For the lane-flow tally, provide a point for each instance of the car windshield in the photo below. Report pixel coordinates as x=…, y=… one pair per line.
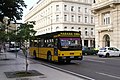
x=70, y=43
x=88, y=48
x=102, y=48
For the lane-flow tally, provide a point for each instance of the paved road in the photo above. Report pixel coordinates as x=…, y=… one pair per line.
x=91, y=68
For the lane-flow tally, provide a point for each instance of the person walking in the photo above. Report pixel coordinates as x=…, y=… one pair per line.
x=0, y=48
x=4, y=47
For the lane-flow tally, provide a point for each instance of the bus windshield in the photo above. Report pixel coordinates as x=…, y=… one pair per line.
x=70, y=43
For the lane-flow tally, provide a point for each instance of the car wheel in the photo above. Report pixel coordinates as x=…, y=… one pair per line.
x=100, y=55
x=107, y=55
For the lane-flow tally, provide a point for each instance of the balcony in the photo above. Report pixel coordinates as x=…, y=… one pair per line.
x=104, y=4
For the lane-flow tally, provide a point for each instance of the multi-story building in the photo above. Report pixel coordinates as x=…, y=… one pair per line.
x=64, y=15
x=11, y=25
x=107, y=22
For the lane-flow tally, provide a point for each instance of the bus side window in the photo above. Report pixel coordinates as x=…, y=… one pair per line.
x=39, y=43
x=56, y=41
x=42, y=43
x=35, y=44
x=50, y=45
x=31, y=44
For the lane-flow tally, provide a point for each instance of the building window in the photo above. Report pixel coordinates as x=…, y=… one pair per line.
x=65, y=17
x=79, y=9
x=80, y=32
x=57, y=17
x=86, y=19
x=79, y=28
x=72, y=8
x=86, y=32
x=72, y=27
x=57, y=7
x=91, y=28
x=86, y=10
x=94, y=1
x=65, y=27
x=72, y=18
x=57, y=27
x=92, y=32
x=79, y=18
x=65, y=7
x=92, y=20
x=106, y=19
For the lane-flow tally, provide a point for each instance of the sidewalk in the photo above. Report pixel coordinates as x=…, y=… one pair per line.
x=17, y=64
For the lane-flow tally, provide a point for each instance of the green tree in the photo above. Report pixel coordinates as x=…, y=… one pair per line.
x=13, y=9
x=24, y=34
x=2, y=33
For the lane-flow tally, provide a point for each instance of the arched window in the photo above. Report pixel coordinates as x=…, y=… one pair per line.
x=57, y=27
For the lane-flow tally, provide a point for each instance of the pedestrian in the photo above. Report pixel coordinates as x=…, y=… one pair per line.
x=4, y=47
x=0, y=48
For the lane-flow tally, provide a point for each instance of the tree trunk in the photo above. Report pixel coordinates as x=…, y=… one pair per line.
x=26, y=57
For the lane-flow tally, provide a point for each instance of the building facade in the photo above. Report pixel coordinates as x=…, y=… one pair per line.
x=64, y=15
x=107, y=23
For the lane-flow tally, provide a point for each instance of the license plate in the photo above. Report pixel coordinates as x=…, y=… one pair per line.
x=71, y=56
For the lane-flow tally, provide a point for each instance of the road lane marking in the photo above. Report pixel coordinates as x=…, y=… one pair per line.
x=95, y=60
x=108, y=75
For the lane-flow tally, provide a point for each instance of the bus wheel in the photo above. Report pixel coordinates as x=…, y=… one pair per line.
x=49, y=57
x=34, y=55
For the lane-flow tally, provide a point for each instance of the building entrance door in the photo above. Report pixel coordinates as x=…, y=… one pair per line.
x=106, y=40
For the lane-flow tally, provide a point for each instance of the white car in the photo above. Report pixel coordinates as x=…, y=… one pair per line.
x=108, y=51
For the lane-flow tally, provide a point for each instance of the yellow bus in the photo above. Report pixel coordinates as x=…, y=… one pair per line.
x=60, y=46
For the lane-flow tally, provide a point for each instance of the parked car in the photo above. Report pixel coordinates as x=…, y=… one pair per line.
x=89, y=51
x=108, y=51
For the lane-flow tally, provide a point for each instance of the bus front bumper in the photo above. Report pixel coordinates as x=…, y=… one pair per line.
x=70, y=58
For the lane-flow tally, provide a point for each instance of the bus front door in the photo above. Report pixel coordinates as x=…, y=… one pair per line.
x=56, y=49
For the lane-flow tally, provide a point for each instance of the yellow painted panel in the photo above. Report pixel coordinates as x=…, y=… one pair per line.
x=41, y=52
x=70, y=53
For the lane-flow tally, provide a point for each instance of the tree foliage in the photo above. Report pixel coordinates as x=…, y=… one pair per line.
x=3, y=34
x=13, y=9
x=25, y=32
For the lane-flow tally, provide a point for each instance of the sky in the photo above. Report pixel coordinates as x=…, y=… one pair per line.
x=29, y=4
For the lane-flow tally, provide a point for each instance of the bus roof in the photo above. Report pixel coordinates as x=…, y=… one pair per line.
x=60, y=34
